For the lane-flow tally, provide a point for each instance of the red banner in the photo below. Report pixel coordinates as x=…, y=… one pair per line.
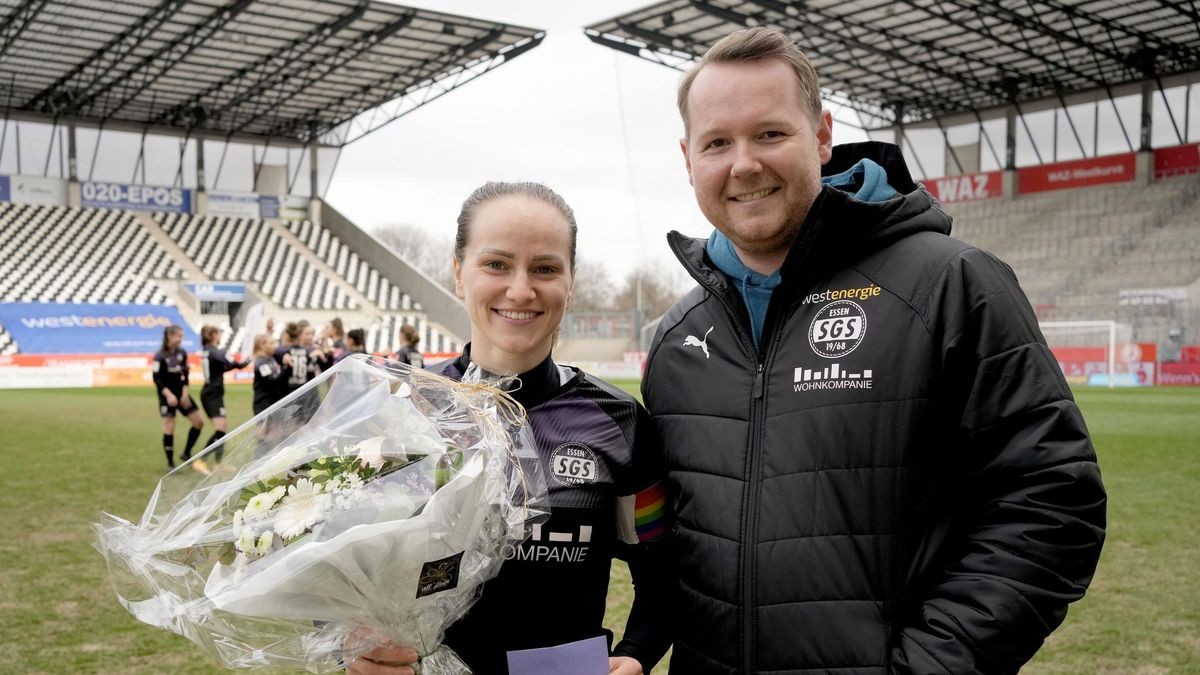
x=1078, y=363
x=967, y=187
x=1176, y=161
x=1190, y=354
x=1079, y=173
x=1179, y=374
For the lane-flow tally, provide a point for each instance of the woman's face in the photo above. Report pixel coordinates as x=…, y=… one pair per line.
x=175, y=338
x=515, y=278
x=306, y=336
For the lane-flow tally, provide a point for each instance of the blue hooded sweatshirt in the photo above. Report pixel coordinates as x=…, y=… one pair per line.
x=868, y=182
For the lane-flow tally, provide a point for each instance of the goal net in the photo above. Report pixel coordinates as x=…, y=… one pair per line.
x=1099, y=353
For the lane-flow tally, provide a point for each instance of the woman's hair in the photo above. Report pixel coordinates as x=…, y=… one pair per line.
x=293, y=329
x=409, y=335
x=167, y=333
x=357, y=336
x=492, y=190
x=338, y=329
x=209, y=335
x=261, y=343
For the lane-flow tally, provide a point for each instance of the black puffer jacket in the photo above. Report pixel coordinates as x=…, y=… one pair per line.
x=897, y=481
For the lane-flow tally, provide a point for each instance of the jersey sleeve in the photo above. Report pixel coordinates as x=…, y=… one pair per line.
x=643, y=530
x=159, y=371
x=183, y=368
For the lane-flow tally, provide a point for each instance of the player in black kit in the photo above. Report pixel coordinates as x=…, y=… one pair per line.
x=171, y=383
x=215, y=362
x=514, y=268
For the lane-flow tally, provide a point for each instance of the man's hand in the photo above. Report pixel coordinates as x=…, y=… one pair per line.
x=385, y=660
x=623, y=665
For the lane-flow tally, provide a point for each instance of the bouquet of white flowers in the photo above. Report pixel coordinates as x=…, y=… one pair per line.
x=375, y=501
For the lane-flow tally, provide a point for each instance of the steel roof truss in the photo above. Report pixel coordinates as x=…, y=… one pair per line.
x=266, y=69
x=322, y=69
x=103, y=62
x=154, y=66
x=17, y=21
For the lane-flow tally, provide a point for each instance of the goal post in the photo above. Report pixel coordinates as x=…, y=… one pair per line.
x=1086, y=349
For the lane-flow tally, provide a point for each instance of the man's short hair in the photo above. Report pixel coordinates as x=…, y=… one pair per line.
x=756, y=44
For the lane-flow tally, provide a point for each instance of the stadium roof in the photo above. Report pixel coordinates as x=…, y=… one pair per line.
x=298, y=71
x=936, y=58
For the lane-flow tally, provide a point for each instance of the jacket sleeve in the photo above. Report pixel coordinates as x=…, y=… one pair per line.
x=643, y=526
x=1027, y=519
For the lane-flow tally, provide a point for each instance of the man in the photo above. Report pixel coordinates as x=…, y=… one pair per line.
x=876, y=463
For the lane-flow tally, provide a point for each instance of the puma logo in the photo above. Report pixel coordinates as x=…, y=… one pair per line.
x=693, y=341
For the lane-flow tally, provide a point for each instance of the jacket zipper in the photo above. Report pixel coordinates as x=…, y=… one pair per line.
x=750, y=497
x=750, y=525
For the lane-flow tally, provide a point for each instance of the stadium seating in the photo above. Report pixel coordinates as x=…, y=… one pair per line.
x=7, y=345
x=347, y=264
x=250, y=250
x=66, y=255
x=1075, y=250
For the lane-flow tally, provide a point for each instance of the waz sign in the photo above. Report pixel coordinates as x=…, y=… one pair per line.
x=966, y=188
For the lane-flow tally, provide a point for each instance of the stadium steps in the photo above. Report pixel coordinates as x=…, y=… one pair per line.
x=1075, y=250
x=327, y=246
x=364, y=303
x=252, y=251
x=190, y=269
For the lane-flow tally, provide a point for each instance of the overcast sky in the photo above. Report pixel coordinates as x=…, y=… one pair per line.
x=597, y=126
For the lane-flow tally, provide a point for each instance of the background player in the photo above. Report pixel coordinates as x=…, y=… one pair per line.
x=215, y=362
x=171, y=384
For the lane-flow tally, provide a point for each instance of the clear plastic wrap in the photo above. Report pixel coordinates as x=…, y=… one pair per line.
x=368, y=506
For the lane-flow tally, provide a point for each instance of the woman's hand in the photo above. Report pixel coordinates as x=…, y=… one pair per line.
x=623, y=665
x=385, y=660
x=170, y=399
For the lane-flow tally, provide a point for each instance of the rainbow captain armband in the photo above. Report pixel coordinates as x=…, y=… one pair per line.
x=642, y=517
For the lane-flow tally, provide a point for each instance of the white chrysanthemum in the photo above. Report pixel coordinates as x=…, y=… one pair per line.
x=370, y=452
x=245, y=543
x=280, y=461
x=263, y=545
x=263, y=501
x=301, y=509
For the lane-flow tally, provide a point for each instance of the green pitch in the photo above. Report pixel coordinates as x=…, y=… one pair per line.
x=66, y=455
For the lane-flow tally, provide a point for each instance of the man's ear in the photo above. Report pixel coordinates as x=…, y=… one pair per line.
x=687, y=160
x=825, y=136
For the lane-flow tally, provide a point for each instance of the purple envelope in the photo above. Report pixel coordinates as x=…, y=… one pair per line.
x=585, y=657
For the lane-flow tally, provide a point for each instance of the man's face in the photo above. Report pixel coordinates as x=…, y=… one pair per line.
x=754, y=155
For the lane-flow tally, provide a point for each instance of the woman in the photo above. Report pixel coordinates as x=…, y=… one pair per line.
x=268, y=374
x=215, y=362
x=514, y=263
x=356, y=343
x=408, y=352
x=171, y=383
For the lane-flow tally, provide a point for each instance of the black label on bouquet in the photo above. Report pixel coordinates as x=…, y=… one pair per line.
x=439, y=575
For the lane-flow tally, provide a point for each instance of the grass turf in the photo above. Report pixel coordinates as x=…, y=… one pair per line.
x=66, y=455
